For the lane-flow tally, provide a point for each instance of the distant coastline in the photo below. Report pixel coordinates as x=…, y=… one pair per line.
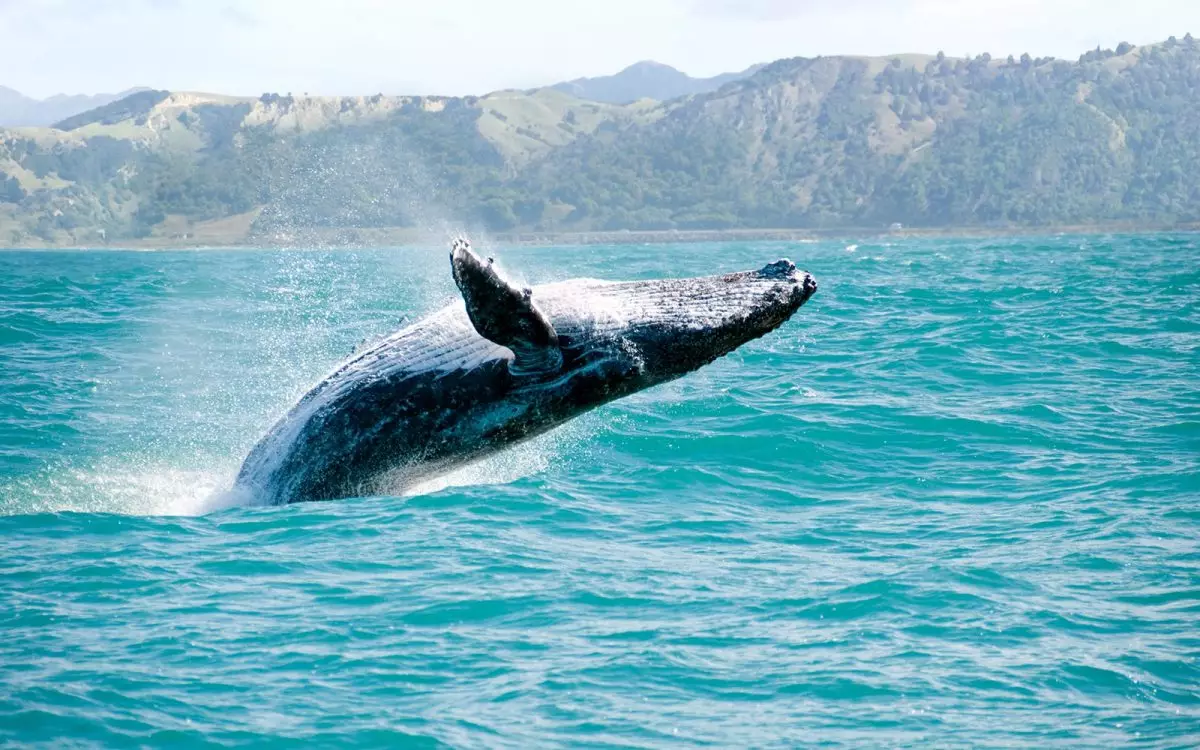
x=400, y=237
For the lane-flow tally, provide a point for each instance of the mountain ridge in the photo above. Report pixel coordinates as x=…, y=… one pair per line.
x=926, y=141
x=19, y=110
x=647, y=79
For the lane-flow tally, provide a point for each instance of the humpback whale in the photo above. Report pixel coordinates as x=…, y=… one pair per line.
x=502, y=365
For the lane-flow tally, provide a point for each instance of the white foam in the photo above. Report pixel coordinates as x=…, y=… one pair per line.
x=139, y=490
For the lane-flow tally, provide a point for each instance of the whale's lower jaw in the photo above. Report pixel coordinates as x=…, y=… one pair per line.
x=437, y=395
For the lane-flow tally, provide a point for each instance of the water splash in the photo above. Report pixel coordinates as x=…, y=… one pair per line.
x=130, y=489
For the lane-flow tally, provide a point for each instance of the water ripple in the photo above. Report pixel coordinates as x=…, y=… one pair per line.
x=951, y=504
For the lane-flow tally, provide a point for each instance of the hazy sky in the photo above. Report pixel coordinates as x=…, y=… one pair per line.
x=475, y=46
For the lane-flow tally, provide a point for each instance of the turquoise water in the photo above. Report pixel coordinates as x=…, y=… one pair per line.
x=954, y=502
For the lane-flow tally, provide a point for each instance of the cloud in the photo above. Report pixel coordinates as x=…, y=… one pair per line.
x=777, y=10
x=240, y=17
x=474, y=46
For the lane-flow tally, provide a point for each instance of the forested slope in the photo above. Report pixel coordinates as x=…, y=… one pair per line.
x=928, y=141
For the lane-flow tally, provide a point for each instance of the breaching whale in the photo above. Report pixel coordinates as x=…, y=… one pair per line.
x=502, y=365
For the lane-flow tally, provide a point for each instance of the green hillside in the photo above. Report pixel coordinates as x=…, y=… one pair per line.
x=927, y=141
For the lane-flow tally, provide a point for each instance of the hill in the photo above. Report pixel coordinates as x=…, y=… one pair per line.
x=647, y=80
x=807, y=143
x=18, y=110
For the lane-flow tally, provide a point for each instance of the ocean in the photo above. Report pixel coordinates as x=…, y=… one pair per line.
x=955, y=501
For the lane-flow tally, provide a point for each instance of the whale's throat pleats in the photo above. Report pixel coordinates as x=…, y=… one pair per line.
x=505, y=314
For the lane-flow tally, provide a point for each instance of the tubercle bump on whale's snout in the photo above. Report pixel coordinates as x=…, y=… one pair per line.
x=780, y=269
x=808, y=286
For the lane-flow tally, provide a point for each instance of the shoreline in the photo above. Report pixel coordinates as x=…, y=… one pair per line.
x=402, y=237
x=818, y=235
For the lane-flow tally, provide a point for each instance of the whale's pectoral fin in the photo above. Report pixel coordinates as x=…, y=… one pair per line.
x=504, y=313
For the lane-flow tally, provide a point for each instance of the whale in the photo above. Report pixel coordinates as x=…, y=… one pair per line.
x=501, y=365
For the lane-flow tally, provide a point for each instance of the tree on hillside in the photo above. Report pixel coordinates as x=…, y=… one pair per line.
x=10, y=189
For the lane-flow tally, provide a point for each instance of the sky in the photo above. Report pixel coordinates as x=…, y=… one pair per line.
x=457, y=47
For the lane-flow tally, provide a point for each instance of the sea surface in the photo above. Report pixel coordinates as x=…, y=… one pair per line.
x=954, y=502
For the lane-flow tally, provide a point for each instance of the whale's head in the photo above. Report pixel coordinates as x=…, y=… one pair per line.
x=618, y=338
x=607, y=339
x=674, y=326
